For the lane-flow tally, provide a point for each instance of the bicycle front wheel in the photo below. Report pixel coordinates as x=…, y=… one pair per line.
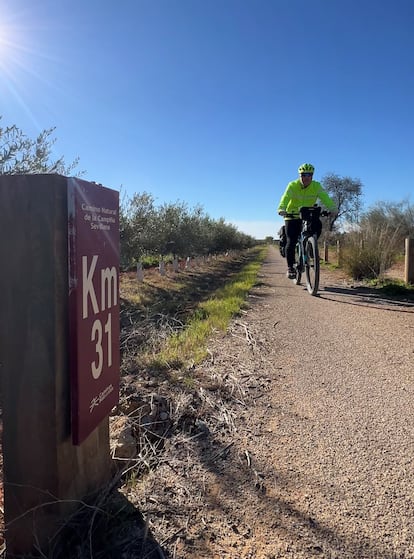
x=312, y=265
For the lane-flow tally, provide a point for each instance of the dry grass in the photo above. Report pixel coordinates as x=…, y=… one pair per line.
x=169, y=411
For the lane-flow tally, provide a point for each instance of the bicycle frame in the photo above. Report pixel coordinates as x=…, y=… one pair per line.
x=307, y=260
x=306, y=250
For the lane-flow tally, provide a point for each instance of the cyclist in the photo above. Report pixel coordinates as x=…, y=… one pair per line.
x=301, y=192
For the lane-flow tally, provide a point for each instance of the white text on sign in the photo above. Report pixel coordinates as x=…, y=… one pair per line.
x=90, y=300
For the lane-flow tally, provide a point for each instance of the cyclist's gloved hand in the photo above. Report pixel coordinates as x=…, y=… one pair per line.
x=281, y=212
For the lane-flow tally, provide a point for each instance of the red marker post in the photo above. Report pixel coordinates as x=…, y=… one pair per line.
x=93, y=236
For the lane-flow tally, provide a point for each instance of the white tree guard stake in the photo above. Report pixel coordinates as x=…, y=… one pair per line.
x=162, y=268
x=140, y=273
x=175, y=264
x=187, y=262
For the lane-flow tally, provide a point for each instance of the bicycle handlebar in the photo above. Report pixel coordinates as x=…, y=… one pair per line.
x=324, y=213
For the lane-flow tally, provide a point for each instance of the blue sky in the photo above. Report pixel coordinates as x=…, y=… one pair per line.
x=217, y=102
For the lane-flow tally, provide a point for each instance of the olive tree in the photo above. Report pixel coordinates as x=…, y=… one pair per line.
x=20, y=154
x=138, y=227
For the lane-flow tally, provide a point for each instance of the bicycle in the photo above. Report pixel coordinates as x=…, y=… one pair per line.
x=306, y=249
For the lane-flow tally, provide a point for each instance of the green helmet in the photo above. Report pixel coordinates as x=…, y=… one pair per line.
x=306, y=168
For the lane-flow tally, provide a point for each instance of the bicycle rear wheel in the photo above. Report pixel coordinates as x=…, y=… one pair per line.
x=298, y=265
x=312, y=265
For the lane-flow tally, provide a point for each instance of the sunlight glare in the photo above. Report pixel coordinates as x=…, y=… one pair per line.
x=9, y=45
x=3, y=43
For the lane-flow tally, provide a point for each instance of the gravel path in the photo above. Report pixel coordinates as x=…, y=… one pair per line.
x=347, y=439
x=296, y=438
x=319, y=462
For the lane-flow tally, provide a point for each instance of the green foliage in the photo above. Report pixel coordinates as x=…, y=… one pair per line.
x=393, y=288
x=173, y=228
x=150, y=261
x=20, y=154
x=213, y=314
x=397, y=289
x=137, y=222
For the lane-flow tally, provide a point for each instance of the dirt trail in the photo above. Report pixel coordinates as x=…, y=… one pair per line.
x=295, y=439
x=312, y=454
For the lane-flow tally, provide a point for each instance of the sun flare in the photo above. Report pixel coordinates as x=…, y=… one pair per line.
x=16, y=65
x=4, y=42
x=9, y=46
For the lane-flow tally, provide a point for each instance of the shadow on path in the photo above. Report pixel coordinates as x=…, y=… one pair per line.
x=363, y=296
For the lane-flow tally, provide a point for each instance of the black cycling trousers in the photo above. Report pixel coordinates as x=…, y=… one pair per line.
x=293, y=230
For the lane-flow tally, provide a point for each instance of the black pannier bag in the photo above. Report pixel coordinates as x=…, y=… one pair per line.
x=311, y=216
x=282, y=241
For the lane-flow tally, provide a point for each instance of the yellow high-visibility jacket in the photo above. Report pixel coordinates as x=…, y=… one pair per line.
x=296, y=196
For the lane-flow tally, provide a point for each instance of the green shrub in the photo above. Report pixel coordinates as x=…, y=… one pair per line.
x=364, y=263
x=370, y=252
x=150, y=261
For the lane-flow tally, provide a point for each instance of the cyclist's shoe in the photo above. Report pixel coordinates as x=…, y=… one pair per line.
x=291, y=274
